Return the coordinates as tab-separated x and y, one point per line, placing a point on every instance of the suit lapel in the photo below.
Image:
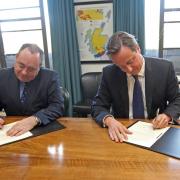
123	90
13	87
33	87
31	91
148	85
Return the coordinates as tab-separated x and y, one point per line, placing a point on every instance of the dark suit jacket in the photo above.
44	98
161	86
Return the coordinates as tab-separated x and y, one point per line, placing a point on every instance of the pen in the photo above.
157	113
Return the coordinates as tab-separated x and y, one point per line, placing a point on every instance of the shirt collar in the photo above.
141	72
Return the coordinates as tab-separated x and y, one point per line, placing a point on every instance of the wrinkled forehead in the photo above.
27	52
124	53
28	58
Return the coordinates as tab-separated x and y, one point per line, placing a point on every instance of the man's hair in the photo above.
119	39
33	48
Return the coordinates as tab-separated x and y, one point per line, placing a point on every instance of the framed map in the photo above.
94	24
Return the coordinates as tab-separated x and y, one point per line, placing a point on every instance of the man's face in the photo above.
27	65
127	60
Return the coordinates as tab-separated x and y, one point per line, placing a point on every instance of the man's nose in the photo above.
129	69
24	71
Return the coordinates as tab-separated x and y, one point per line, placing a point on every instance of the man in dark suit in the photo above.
29	90
115	97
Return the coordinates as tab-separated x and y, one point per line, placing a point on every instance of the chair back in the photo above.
66	97
89	86
90	83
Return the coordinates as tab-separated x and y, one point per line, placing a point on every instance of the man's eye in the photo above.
21	65
31	70
130	62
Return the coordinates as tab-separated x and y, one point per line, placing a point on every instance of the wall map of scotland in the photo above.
94	27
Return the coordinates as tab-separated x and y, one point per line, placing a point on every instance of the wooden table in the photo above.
82	150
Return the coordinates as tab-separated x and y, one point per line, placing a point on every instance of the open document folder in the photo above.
4	139
165	141
36	131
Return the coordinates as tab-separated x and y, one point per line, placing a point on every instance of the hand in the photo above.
22	126
161	121
117	131
1	122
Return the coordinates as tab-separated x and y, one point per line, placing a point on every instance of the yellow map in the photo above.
90	14
94	27
99	41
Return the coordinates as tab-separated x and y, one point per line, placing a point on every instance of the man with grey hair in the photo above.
135	87
27	89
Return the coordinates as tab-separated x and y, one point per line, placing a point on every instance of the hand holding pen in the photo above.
161	121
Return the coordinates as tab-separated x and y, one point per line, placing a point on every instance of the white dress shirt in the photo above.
130	83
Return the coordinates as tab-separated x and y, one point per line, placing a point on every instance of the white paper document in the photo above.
144	134
4	139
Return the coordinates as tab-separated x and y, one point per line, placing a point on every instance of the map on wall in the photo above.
94	27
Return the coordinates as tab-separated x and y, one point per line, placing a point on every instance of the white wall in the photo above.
92	67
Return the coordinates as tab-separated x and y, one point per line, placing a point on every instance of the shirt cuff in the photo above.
175	122
38	121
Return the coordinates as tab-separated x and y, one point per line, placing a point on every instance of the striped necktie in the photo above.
24	94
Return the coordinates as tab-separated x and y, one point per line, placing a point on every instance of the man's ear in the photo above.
17	55
138	49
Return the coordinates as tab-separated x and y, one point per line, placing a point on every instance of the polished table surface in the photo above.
82	150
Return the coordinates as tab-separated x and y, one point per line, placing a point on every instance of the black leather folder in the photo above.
53	126
168	143
40	130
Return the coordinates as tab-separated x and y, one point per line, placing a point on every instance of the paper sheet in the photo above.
144	134
4	139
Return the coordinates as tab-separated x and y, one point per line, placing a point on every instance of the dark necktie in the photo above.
24	94
138	105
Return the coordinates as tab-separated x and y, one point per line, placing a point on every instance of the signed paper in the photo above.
4	139
144	134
